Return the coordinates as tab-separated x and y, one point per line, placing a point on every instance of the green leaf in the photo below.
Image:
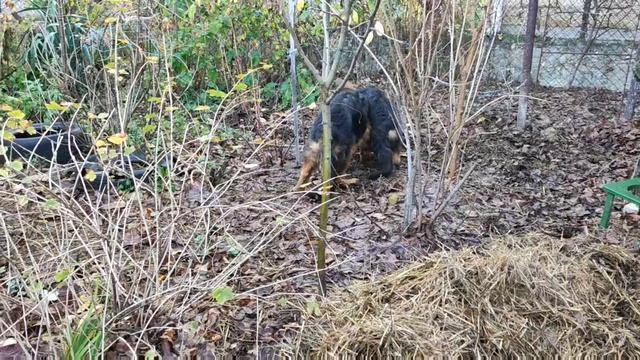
149	128
222	295
16	165
4	172
154	100
62	275
313	307
216	93
283	301
150	354
191	12
51	204
241	87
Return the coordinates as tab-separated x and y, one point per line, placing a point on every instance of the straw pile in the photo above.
522	297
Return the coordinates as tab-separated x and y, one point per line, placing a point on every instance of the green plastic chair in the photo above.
622	189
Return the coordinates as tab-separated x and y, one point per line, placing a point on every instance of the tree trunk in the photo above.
527	58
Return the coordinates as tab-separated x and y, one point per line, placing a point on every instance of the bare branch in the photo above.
303	55
372	18
444	203
346	15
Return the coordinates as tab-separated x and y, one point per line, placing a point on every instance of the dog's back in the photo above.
385	134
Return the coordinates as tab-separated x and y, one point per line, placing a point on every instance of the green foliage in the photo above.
85	342
29	94
222	295
213	43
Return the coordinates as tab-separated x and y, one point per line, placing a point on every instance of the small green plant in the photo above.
85	342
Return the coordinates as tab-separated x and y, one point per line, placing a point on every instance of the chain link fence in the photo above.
579	43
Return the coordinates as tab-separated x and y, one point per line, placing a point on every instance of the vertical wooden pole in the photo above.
634	90
527	58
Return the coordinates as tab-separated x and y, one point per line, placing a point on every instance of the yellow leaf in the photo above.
202	108
110	20
4	172
16	165
16	114
241	87
393	199
23	200
101	143
103	116
117	139
299	5
31	130
5	107
355	17
369	39
54	106
152	59
7	135
171	108
313	106
91	175
216	93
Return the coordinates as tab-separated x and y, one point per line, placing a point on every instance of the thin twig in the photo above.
446	201
303	55
359	50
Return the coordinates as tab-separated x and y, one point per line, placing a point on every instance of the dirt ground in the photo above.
546	179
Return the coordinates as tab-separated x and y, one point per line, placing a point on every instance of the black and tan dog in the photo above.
349	128
359	118
384	139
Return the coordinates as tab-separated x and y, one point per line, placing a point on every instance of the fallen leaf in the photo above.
117	139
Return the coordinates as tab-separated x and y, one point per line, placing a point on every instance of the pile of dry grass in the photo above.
528	296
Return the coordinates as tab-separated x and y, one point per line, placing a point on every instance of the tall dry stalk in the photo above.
326	78
444	48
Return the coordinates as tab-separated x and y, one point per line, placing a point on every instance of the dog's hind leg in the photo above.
309	164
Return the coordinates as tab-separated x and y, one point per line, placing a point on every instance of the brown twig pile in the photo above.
529	296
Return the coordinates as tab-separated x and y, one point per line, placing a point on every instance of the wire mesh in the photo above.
579	43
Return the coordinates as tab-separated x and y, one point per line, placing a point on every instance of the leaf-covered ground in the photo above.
546	179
